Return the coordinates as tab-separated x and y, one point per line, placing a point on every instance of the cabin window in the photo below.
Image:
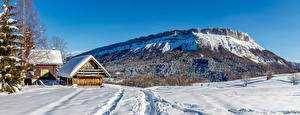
44	72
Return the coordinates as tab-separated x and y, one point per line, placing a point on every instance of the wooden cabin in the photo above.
45	64
83	71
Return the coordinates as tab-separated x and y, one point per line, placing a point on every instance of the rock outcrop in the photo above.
217	54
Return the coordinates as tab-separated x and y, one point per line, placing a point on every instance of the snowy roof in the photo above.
70	68
45	57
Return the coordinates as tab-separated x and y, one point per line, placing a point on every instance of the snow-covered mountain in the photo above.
211	44
296	65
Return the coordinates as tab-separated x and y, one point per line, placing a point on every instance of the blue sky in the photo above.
88	24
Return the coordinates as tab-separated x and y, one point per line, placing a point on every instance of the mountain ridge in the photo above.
217	31
224	47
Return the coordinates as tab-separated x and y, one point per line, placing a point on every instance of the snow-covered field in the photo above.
276	96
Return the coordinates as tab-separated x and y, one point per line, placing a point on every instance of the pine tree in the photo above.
11	42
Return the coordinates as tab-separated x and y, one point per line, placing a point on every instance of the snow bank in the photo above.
275	96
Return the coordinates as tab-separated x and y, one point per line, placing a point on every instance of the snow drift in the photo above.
275	96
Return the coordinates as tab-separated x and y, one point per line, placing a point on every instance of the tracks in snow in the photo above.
147	102
52	106
152	106
140	106
111	104
159	106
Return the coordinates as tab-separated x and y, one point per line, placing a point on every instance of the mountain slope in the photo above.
296	66
215	53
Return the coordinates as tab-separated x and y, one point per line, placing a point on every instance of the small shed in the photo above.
83	71
45	64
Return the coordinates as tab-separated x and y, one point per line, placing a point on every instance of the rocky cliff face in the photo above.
218	54
227	32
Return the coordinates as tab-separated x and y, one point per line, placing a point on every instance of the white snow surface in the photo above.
13	27
45	57
192	42
69	69
275	96
235	46
10	20
12	57
8	75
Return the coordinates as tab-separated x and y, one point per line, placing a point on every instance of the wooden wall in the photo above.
88	81
37	70
68	81
90	74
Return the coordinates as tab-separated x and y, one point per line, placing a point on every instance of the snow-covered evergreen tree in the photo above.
11	42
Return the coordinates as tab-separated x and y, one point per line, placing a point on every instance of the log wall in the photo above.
90	74
88	81
37	70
